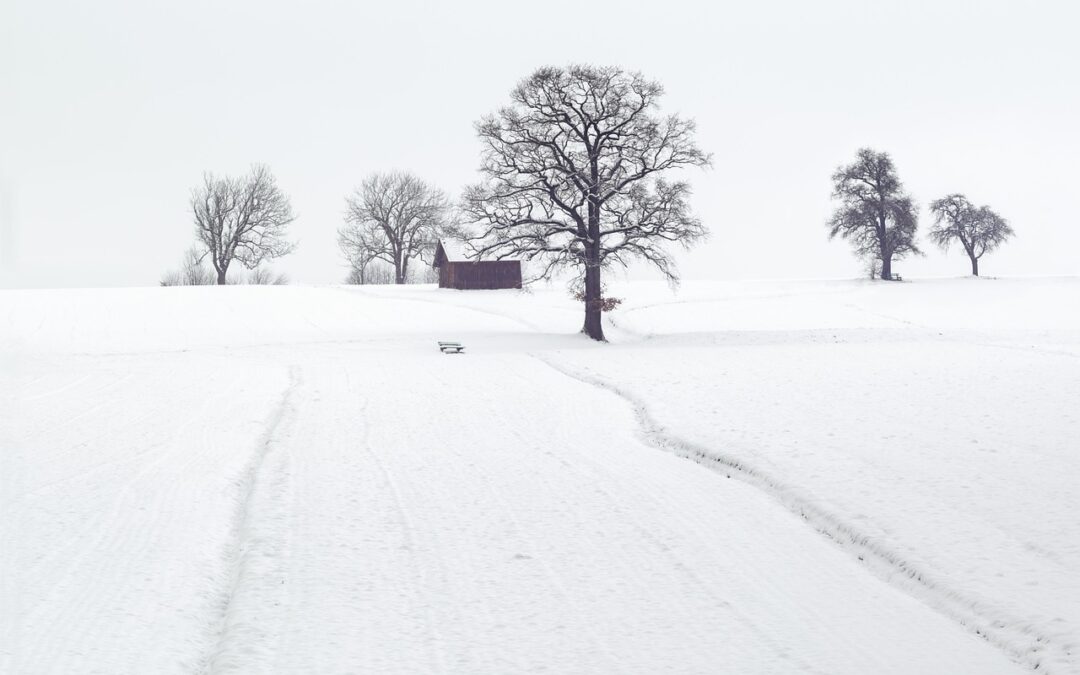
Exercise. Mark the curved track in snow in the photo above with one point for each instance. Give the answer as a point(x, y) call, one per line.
point(1023, 641)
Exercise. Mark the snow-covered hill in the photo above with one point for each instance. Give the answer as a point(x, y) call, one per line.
point(758, 477)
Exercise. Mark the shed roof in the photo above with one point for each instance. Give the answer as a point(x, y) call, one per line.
point(453, 250)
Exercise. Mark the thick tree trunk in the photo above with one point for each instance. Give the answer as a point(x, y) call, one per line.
point(974, 266)
point(883, 246)
point(594, 328)
point(886, 268)
point(594, 290)
point(221, 276)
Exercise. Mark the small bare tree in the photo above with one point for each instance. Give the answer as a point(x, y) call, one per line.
point(355, 276)
point(978, 229)
point(241, 219)
point(262, 276)
point(393, 217)
point(875, 214)
point(873, 266)
point(362, 243)
point(191, 273)
point(377, 273)
point(573, 178)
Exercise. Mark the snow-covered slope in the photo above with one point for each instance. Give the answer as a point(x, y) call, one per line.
point(294, 479)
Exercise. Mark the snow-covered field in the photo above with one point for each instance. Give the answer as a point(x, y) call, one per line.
point(755, 477)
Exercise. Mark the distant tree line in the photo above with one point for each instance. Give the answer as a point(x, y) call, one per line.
point(576, 177)
point(880, 219)
point(579, 174)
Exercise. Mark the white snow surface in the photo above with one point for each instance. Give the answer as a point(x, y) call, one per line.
point(753, 477)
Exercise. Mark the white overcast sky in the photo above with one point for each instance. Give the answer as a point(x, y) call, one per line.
point(111, 111)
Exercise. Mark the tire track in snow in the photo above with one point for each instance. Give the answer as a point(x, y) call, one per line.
point(508, 508)
point(256, 549)
point(109, 529)
point(687, 569)
point(408, 531)
point(1023, 641)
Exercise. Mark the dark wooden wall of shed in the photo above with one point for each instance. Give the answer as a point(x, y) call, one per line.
point(482, 274)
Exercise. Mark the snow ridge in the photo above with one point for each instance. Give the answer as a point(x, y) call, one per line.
point(1024, 642)
point(255, 553)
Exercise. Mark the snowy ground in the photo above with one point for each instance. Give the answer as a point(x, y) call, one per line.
point(758, 477)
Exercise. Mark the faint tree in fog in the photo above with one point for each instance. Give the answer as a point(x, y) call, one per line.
point(262, 276)
point(873, 266)
point(875, 214)
point(573, 178)
point(392, 217)
point(978, 229)
point(241, 219)
point(191, 272)
point(373, 273)
point(361, 243)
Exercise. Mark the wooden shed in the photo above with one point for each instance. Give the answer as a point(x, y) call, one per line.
point(456, 270)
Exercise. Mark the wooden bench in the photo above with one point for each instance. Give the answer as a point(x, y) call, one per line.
point(451, 347)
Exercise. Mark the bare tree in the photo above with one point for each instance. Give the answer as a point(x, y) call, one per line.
point(875, 214)
point(191, 273)
point(362, 243)
point(377, 273)
point(262, 276)
point(393, 217)
point(978, 229)
point(573, 180)
point(241, 219)
point(873, 266)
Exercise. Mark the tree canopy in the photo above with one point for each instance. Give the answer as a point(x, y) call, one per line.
point(979, 230)
point(241, 219)
point(394, 218)
point(875, 214)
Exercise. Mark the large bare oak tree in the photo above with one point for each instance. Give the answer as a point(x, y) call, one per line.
point(875, 214)
point(241, 219)
point(978, 229)
point(573, 178)
point(393, 217)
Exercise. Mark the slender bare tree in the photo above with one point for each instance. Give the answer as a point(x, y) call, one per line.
point(191, 273)
point(393, 217)
point(241, 219)
point(875, 214)
point(361, 243)
point(261, 276)
point(978, 229)
point(573, 178)
point(378, 273)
